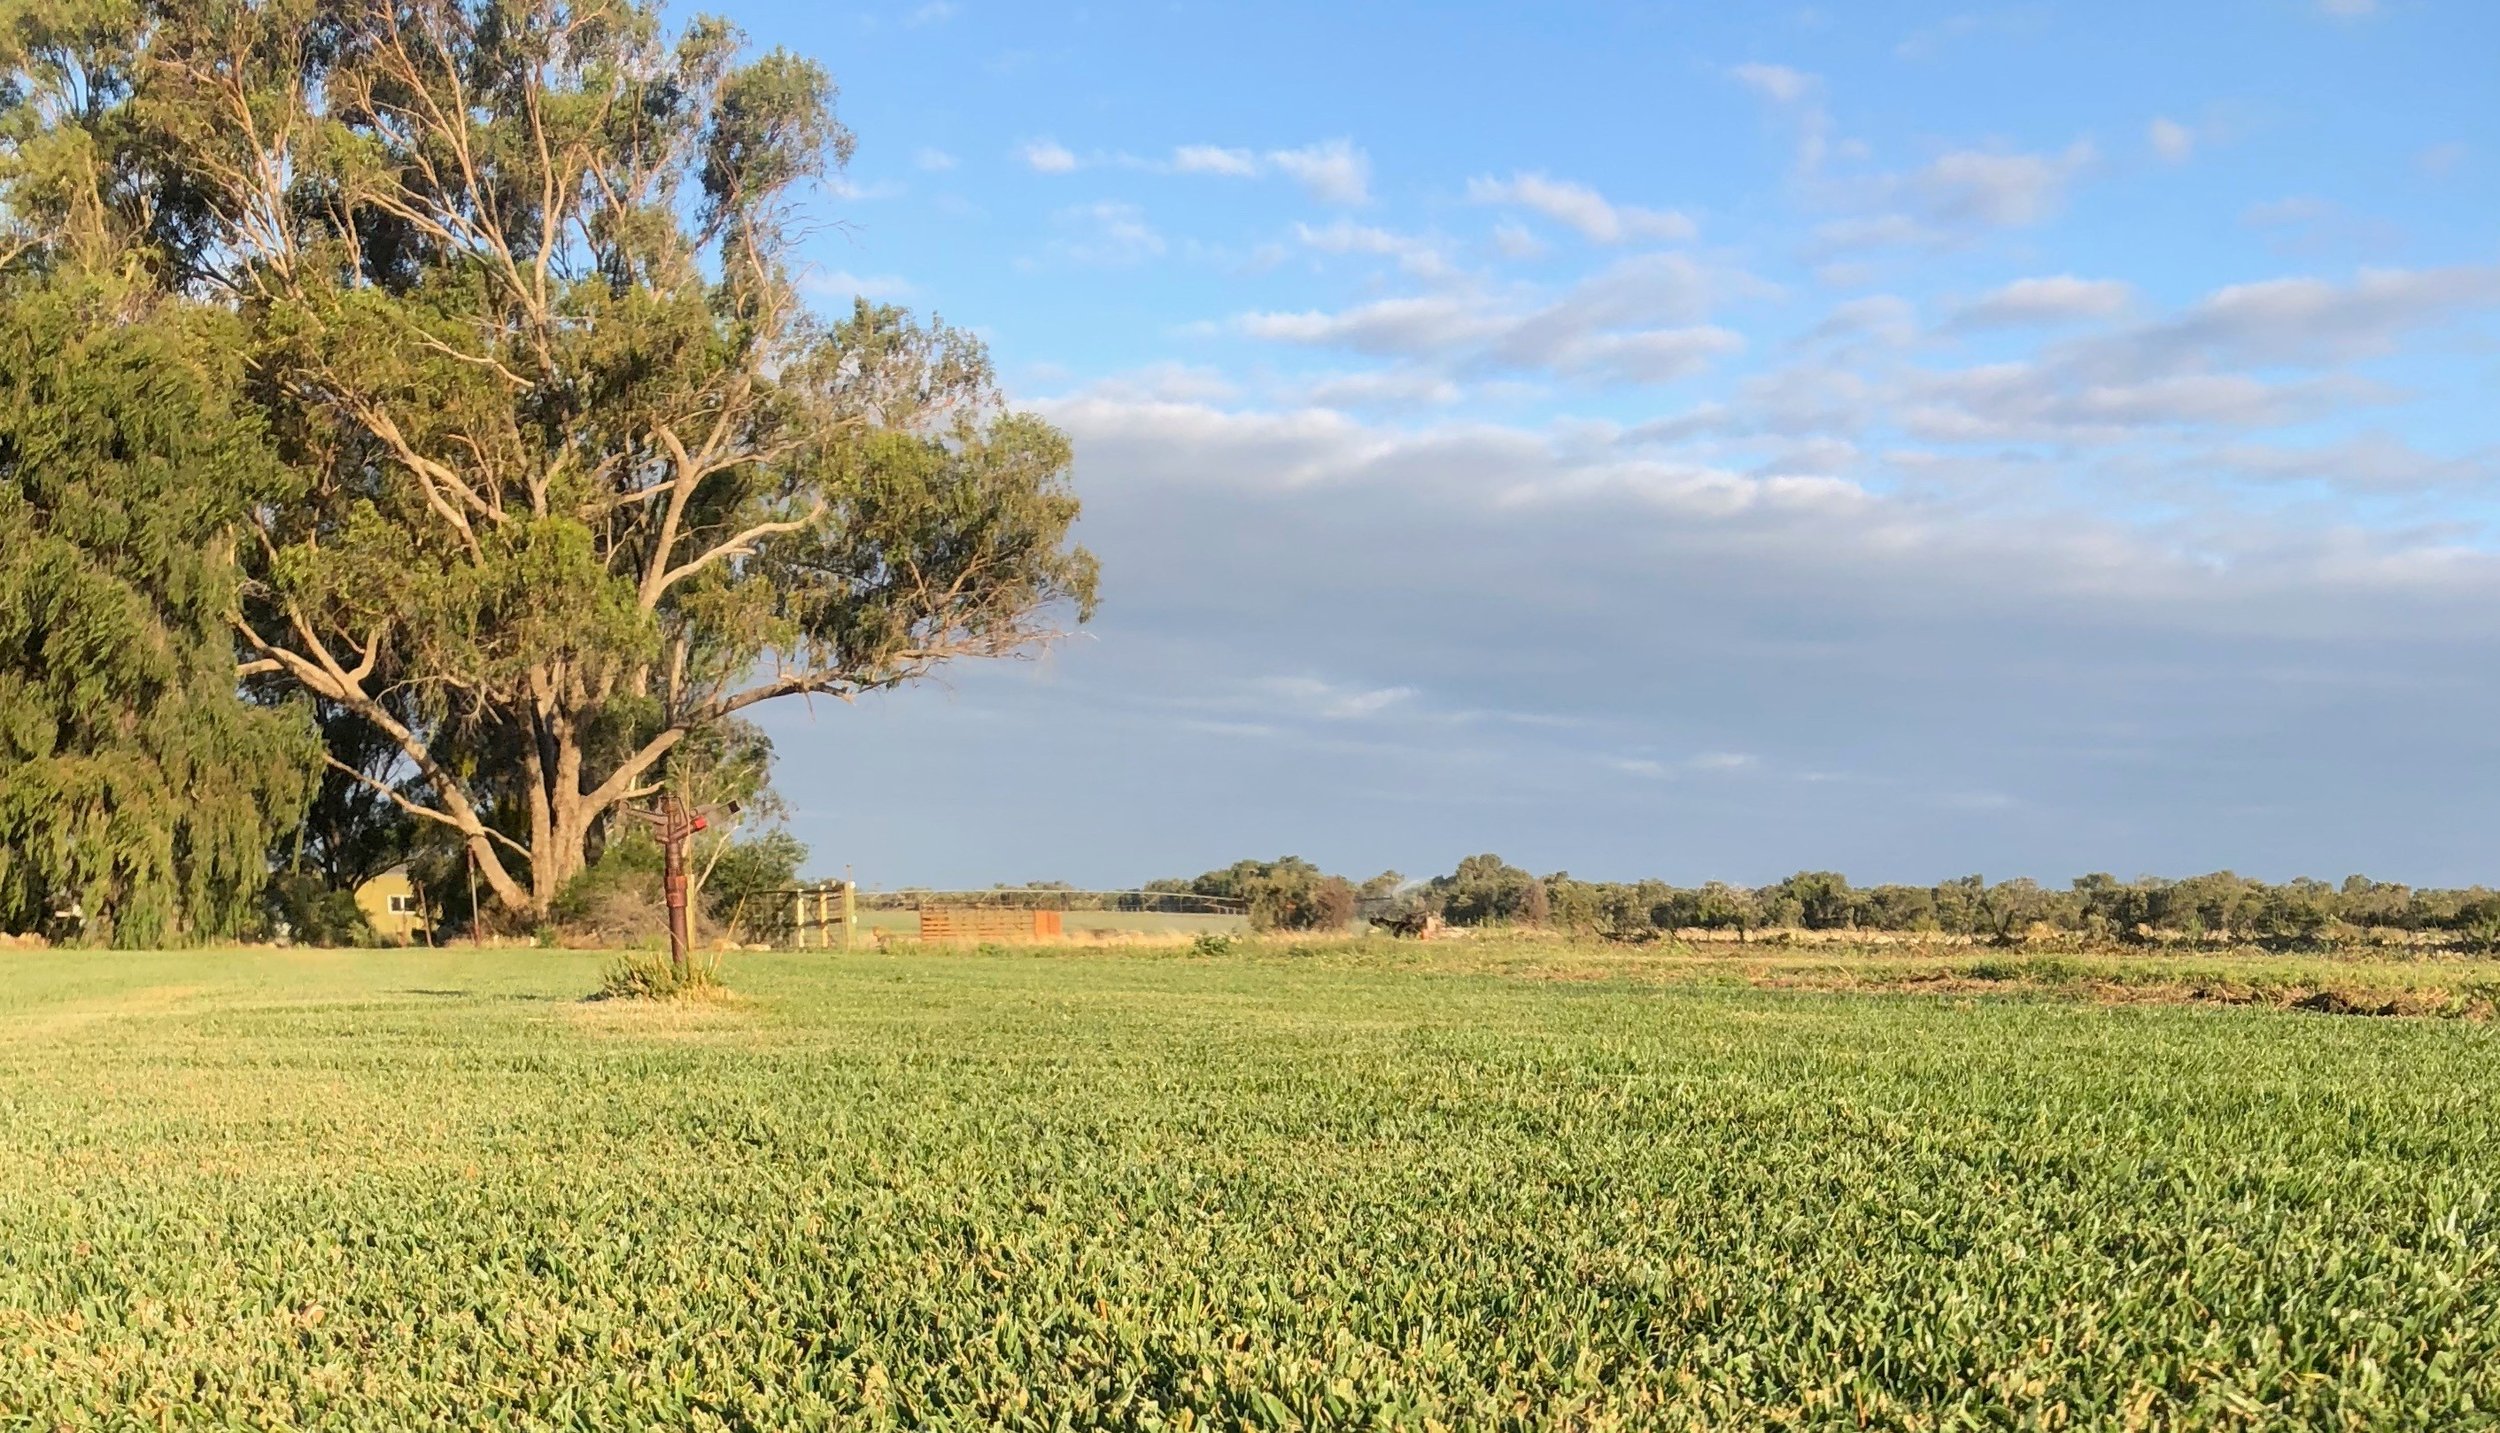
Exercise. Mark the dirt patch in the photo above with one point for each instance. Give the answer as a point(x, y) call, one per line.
point(2421, 1002)
point(660, 1019)
point(2336, 1002)
point(2434, 1002)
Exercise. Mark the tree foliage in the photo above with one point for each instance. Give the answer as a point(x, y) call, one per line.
point(139, 795)
point(1486, 890)
point(572, 473)
point(2301, 913)
point(1288, 893)
point(356, 827)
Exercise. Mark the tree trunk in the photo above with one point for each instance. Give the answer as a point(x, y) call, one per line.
point(487, 862)
point(563, 854)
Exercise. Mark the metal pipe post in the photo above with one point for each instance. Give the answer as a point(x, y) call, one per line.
point(674, 829)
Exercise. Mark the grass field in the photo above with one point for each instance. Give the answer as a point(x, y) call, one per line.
point(1480, 1187)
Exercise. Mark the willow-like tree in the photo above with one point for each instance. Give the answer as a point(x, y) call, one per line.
point(138, 793)
point(576, 473)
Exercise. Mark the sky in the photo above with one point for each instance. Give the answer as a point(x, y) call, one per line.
point(1701, 441)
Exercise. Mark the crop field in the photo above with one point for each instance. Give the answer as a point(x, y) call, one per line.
point(1479, 1187)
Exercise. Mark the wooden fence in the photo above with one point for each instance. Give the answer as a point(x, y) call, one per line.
point(821, 918)
point(964, 923)
point(837, 915)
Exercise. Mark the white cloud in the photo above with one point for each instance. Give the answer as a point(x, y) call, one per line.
point(2029, 401)
point(842, 186)
point(2062, 298)
point(2173, 141)
point(1044, 156)
point(2348, 9)
point(1515, 241)
point(1776, 83)
point(1702, 421)
point(843, 284)
point(1580, 207)
point(1485, 467)
point(1415, 325)
point(1334, 171)
point(1799, 94)
point(1632, 323)
point(1647, 357)
point(1806, 400)
point(1885, 319)
point(2375, 461)
point(1808, 458)
point(2309, 320)
point(1344, 236)
point(1709, 763)
point(2229, 362)
point(1647, 289)
point(1999, 188)
point(1332, 701)
point(1166, 383)
point(1109, 234)
point(1489, 479)
point(2308, 225)
point(1215, 159)
point(1381, 388)
point(1874, 231)
point(933, 13)
point(1956, 192)
point(934, 160)
point(1418, 256)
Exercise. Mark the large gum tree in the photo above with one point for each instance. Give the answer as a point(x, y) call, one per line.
point(577, 473)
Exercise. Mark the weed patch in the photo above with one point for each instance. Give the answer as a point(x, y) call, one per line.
point(645, 975)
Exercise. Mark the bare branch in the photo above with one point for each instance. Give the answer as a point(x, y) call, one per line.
point(322, 675)
point(742, 545)
point(424, 812)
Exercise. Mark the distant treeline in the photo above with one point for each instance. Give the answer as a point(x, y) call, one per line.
point(1293, 894)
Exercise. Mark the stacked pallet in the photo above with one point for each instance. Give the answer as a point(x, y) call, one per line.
point(976, 923)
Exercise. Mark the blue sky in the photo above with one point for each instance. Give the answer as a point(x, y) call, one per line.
point(1700, 440)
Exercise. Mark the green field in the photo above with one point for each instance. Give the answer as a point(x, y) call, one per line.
point(1406, 1188)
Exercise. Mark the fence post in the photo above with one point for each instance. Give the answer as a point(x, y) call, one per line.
point(850, 914)
point(798, 920)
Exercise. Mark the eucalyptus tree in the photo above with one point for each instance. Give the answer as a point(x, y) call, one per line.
point(575, 473)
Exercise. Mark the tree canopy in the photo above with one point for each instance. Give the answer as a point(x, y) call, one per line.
point(568, 470)
point(1288, 893)
point(138, 794)
point(1485, 890)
